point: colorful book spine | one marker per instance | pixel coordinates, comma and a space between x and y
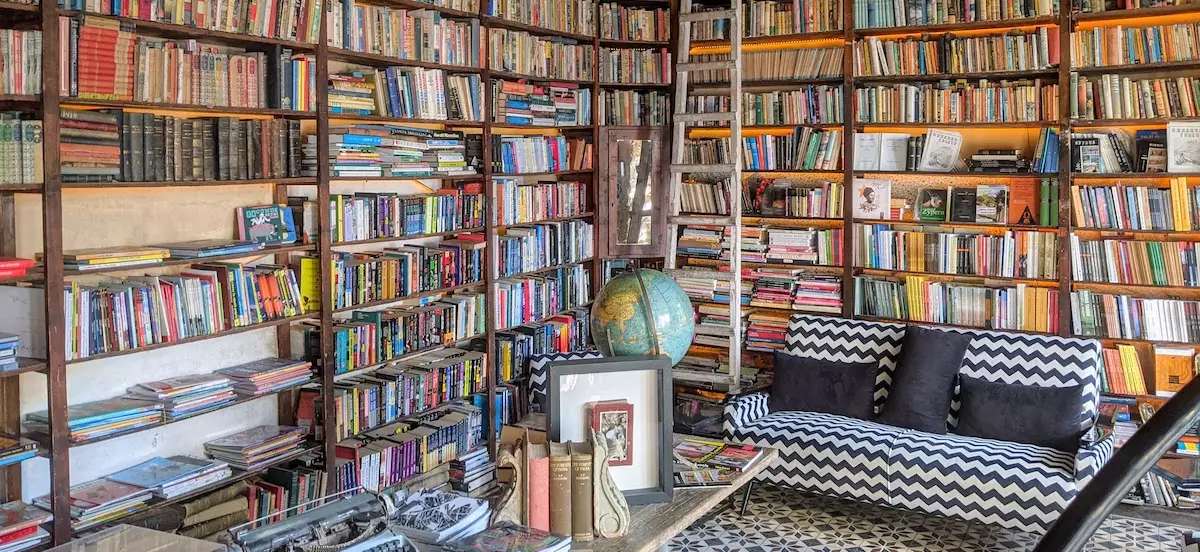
923, 299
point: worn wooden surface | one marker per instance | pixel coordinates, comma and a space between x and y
656, 524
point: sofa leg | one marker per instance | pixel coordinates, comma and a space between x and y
746, 498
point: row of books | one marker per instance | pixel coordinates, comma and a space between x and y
629, 66
772, 18
1121, 207
21, 155
1125, 317
1123, 371
277, 494
558, 104
121, 145
1098, 6
298, 21
380, 151
534, 56
406, 388
204, 299
619, 22
771, 197
400, 451
407, 92
704, 198
958, 102
22, 59
540, 154
532, 299
560, 480
576, 16
1011, 254
522, 249
372, 216
1114, 96
105, 59
567, 332
397, 272
921, 299
1105, 151
903, 13
792, 289
520, 202
799, 63
633, 108
1017, 50
805, 149
810, 104
1124, 261
764, 244
1019, 202
404, 33
1105, 46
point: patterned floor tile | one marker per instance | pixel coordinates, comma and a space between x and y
783, 520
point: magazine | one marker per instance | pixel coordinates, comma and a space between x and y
716, 454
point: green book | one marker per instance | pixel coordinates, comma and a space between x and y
1044, 203
1053, 204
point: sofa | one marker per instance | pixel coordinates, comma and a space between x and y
1010, 484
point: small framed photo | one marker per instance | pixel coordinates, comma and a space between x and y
628, 400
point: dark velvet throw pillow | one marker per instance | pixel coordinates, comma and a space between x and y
827, 386
1043, 416
923, 383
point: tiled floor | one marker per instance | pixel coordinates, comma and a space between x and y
781, 520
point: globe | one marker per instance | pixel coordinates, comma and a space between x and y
619, 316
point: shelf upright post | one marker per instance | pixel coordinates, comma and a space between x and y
599, 224
489, 233
52, 260
1063, 178
324, 253
10, 387
848, 117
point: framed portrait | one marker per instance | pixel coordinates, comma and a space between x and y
629, 400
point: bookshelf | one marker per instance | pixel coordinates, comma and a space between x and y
49, 230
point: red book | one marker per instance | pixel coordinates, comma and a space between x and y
539, 486
12, 273
11, 263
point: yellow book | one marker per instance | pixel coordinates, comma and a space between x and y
1132, 368
310, 284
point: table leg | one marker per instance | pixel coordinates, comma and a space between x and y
746, 498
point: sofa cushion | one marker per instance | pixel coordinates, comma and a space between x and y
1022, 487
1043, 416
809, 384
923, 384
825, 453
828, 338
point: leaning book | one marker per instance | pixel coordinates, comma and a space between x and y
1183, 147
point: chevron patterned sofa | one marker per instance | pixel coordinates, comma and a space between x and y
1014, 485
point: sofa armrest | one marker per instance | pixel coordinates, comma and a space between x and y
743, 409
1094, 452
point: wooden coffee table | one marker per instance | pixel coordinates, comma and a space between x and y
654, 525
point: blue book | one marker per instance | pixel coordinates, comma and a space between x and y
9, 340
159, 471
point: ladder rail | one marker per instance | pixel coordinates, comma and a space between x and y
735, 198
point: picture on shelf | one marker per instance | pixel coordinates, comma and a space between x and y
872, 198
266, 224
614, 420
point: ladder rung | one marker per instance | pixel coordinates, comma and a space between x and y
684, 168
704, 66
692, 375
711, 15
704, 117
698, 273
700, 219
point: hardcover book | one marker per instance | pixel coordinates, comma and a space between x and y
962, 205
932, 204
158, 471
1023, 203
17, 515
991, 204
614, 420
266, 224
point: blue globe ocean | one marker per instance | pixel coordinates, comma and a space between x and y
619, 316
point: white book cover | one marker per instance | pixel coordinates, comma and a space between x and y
866, 151
872, 198
893, 152
1183, 147
941, 151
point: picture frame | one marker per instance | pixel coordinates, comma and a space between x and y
645, 383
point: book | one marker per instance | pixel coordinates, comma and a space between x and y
962, 204
716, 454
510, 537
266, 224
982, 102
614, 421
880, 151
1023, 203
872, 198
941, 149
991, 203
703, 478
158, 472
581, 491
17, 516
932, 204
1183, 147
632, 107
561, 505
539, 486
1174, 367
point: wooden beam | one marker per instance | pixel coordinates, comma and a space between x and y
325, 254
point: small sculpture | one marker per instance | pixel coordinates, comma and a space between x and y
508, 507
611, 512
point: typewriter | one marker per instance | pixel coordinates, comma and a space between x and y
356, 524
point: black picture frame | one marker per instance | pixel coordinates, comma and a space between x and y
661, 364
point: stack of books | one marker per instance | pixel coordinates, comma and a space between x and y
999, 161
767, 331
99, 501
16, 449
90, 146
108, 258
805, 246
256, 447
541, 57
187, 395
203, 249
1123, 371
821, 294
701, 241
8, 351
12, 267
773, 288
268, 375
509, 536
175, 476
522, 104
390, 151
20, 526
408, 92
473, 473
93, 420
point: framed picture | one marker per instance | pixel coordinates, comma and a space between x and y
630, 400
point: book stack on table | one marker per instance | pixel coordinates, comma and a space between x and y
93, 420
257, 447
12, 267
8, 351
175, 476
187, 395
20, 526
268, 375
100, 501
474, 473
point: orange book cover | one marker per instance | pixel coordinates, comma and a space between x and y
539, 486
1023, 202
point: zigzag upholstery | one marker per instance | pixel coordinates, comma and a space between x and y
538, 368
1014, 485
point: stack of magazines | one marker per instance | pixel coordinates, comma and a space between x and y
175, 476
268, 375
435, 517
257, 447
20, 526
187, 395
99, 501
510, 537
93, 420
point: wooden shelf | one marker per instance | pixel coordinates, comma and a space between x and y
21, 188
224, 111
1086, 284
793, 81
1136, 13
1159, 121
1113, 232
981, 125
390, 239
1111, 340
502, 23
403, 120
19, 98
798, 173
1048, 20
942, 325
181, 261
25, 365
958, 174
403, 357
416, 5
495, 73
635, 85
794, 37
499, 128
14, 6
539, 175
619, 43
987, 281
409, 297
1131, 176
953, 224
380, 60
544, 221
544, 270
224, 333
990, 75
402, 178
545, 319
192, 183
1138, 67
171, 30
700, 262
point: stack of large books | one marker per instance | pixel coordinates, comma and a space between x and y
256, 447
187, 395
99, 501
93, 420
20, 526
268, 375
523, 104
767, 331
8, 351
202, 249
175, 476
390, 151
91, 146
701, 241
113, 257
772, 287
474, 473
